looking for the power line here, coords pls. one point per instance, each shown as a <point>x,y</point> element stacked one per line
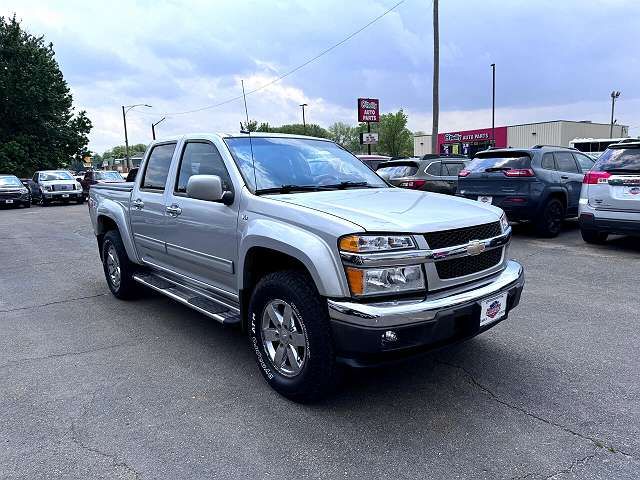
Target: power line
<point>293,70</point>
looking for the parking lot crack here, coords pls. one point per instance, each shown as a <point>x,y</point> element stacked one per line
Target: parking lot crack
<point>595,441</point>
<point>55,302</point>
<point>76,438</point>
<point>571,467</point>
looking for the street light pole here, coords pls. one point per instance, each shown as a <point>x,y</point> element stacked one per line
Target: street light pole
<point>493,105</point>
<point>614,95</point>
<point>125,109</point>
<point>153,126</point>
<point>304,122</point>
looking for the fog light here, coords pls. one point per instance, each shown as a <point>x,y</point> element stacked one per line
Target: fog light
<point>390,336</point>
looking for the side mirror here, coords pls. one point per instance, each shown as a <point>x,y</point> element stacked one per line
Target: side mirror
<point>209,188</point>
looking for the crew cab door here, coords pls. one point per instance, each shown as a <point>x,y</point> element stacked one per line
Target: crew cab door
<point>201,235</point>
<point>570,177</point>
<point>147,209</point>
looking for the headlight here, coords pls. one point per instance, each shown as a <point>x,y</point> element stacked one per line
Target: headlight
<point>385,280</point>
<point>375,243</point>
<point>504,223</point>
<point>24,190</point>
<point>78,186</point>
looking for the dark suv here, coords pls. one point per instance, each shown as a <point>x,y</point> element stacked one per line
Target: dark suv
<point>432,173</point>
<point>541,184</point>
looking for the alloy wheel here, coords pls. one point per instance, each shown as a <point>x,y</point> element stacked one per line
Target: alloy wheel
<point>113,267</point>
<point>283,338</point>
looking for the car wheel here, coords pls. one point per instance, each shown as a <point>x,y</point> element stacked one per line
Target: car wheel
<point>44,202</point>
<point>118,269</point>
<point>549,222</point>
<point>593,236</point>
<point>27,204</point>
<point>287,321</point>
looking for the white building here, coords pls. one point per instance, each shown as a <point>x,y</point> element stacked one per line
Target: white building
<point>558,132</point>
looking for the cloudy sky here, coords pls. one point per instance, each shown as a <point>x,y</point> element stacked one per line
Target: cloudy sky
<point>555,60</point>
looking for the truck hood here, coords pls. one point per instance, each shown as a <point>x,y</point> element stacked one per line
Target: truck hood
<point>396,209</point>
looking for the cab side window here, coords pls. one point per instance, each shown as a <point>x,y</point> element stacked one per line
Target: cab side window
<point>585,162</point>
<point>433,169</point>
<point>548,163</point>
<point>157,168</point>
<point>566,163</point>
<point>201,158</point>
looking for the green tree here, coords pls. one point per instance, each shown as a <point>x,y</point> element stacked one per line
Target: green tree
<point>345,135</point>
<point>395,139</point>
<point>311,130</point>
<point>120,151</point>
<point>38,127</point>
<point>250,126</point>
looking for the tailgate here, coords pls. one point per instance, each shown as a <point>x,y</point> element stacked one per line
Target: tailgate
<point>619,192</point>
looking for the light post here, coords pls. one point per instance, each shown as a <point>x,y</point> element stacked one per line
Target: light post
<point>153,126</point>
<point>614,95</point>
<point>125,109</point>
<point>304,122</point>
<point>493,106</point>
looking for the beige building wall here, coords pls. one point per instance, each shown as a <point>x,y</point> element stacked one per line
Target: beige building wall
<point>559,133</point>
<point>421,145</point>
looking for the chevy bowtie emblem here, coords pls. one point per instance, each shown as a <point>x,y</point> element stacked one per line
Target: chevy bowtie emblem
<point>475,247</point>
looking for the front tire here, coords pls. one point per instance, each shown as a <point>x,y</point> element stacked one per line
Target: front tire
<point>593,236</point>
<point>118,269</point>
<point>549,221</point>
<point>288,320</point>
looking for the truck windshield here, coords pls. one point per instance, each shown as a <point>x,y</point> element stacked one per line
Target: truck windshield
<point>49,176</point>
<point>110,176</point>
<point>10,182</point>
<point>299,164</point>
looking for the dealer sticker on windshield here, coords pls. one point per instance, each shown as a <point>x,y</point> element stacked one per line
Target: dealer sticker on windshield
<point>493,309</point>
<point>485,199</point>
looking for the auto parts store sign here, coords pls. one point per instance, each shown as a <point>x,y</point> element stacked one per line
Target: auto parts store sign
<point>368,110</point>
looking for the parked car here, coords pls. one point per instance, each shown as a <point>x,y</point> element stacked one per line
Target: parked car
<point>610,196</point>
<point>55,186</point>
<point>91,177</point>
<point>540,184</point>
<point>438,174</point>
<point>372,161</point>
<point>13,193</point>
<point>237,228</point>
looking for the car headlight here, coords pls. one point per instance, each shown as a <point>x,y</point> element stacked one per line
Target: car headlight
<point>375,243</point>
<point>78,186</point>
<point>385,280</point>
<point>504,223</point>
<point>24,190</point>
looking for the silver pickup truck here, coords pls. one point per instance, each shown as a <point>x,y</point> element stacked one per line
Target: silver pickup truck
<point>300,244</point>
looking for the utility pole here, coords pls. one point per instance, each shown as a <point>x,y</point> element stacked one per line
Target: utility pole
<point>614,96</point>
<point>436,79</point>
<point>153,126</point>
<point>493,106</point>
<point>125,109</point>
<point>304,122</point>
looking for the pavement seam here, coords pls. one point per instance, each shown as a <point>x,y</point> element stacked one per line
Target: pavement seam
<point>573,465</point>
<point>68,354</point>
<point>595,441</point>
<point>75,438</point>
<point>56,302</point>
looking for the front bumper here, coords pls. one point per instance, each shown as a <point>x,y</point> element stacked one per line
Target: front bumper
<point>63,195</point>
<point>419,326</point>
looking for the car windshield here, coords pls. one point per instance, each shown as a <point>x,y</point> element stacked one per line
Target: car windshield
<point>61,175</point>
<point>110,176</point>
<point>290,163</point>
<point>10,182</point>
<point>619,159</point>
<point>396,171</point>
<point>499,162</point>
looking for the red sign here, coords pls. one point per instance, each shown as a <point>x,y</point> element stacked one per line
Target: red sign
<point>475,136</point>
<point>368,110</point>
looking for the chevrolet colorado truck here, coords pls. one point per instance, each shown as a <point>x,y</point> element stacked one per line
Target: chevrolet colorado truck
<point>300,244</point>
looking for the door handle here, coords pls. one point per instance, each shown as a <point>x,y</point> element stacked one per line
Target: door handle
<point>564,177</point>
<point>173,210</point>
<point>138,204</point>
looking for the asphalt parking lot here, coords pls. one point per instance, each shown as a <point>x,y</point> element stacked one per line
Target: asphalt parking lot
<point>93,387</point>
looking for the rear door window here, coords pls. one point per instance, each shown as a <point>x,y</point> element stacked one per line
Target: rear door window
<point>565,162</point>
<point>619,159</point>
<point>500,161</point>
<point>157,169</point>
<point>433,169</point>
<point>452,169</point>
<point>585,162</point>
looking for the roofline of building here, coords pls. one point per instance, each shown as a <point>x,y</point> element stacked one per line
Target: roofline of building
<point>584,122</point>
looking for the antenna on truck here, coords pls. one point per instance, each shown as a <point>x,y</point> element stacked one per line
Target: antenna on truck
<point>246,112</point>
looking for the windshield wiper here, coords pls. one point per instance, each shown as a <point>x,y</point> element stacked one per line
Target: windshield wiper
<point>290,188</point>
<point>349,184</point>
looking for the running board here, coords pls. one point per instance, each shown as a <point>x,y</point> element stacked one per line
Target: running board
<point>191,297</point>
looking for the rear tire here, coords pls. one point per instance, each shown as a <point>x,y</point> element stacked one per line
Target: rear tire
<point>549,221</point>
<point>287,321</point>
<point>594,236</point>
<point>118,269</point>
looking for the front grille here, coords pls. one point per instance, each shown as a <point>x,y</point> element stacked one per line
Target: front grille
<point>62,187</point>
<point>459,267</point>
<point>7,195</point>
<point>461,236</point>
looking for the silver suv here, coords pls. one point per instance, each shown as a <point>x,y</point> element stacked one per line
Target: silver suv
<point>610,196</point>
